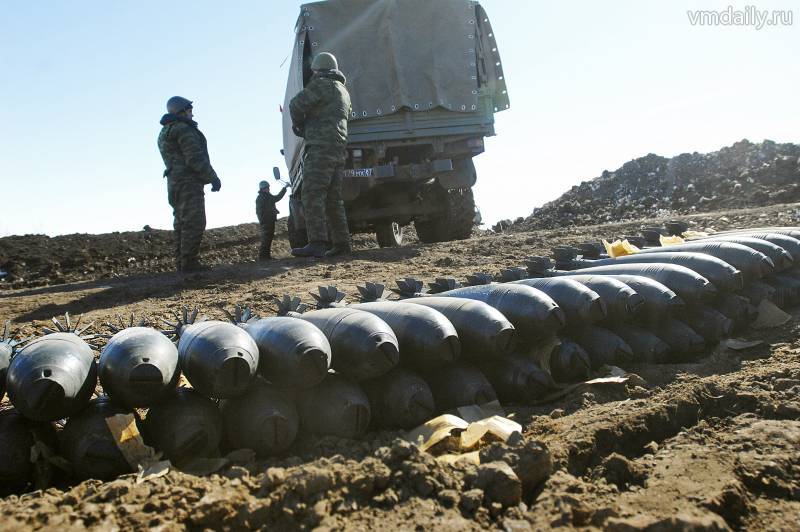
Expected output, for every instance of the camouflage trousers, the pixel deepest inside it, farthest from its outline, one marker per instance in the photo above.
(267, 235)
(323, 206)
(189, 211)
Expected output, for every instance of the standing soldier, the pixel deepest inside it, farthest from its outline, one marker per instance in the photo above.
(319, 115)
(185, 153)
(267, 213)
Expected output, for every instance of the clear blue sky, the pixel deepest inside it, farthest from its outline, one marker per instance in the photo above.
(592, 85)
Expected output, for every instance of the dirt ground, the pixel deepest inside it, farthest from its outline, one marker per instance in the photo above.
(707, 445)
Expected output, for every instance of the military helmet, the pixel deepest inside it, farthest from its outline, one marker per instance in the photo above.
(324, 61)
(263, 185)
(178, 104)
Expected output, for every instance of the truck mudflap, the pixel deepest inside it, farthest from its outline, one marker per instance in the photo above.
(356, 181)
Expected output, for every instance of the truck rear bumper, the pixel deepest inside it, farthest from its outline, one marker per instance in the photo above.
(358, 181)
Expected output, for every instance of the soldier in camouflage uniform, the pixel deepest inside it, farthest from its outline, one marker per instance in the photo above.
(185, 153)
(319, 115)
(267, 212)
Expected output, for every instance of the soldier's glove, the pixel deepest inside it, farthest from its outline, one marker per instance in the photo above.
(216, 184)
(298, 131)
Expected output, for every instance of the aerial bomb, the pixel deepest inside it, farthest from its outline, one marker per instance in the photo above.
(689, 285)
(708, 323)
(570, 362)
(52, 377)
(621, 301)
(7, 349)
(793, 232)
(186, 425)
(722, 275)
(219, 359)
(737, 308)
(581, 305)
(758, 291)
(460, 384)
(292, 353)
(603, 346)
(518, 379)
(425, 337)
(788, 242)
(646, 346)
(753, 264)
(363, 346)
(264, 419)
(18, 435)
(88, 444)
(681, 339)
(400, 399)
(483, 331)
(780, 258)
(534, 314)
(138, 366)
(659, 301)
(335, 407)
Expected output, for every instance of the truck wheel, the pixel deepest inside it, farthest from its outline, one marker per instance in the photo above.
(455, 224)
(389, 234)
(297, 235)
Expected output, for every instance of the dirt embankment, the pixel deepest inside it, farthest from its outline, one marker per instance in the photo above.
(738, 176)
(704, 445)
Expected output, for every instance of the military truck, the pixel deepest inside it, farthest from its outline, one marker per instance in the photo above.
(425, 79)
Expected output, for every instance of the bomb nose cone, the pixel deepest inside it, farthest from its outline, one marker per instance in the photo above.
(635, 303)
(355, 419)
(313, 366)
(234, 375)
(420, 406)
(767, 267)
(484, 395)
(45, 396)
(556, 319)
(504, 340)
(597, 310)
(453, 352)
(390, 351)
(737, 280)
(145, 374)
(276, 433)
(709, 292)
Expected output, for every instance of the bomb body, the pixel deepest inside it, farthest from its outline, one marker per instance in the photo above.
(265, 420)
(363, 346)
(292, 353)
(184, 426)
(622, 302)
(680, 337)
(570, 362)
(534, 314)
(426, 338)
(708, 323)
(603, 346)
(18, 436)
(581, 305)
(88, 444)
(483, 331)
(518, 379)
(646, 346)
(52, 377)
(219, 359)
(337, 406)
(753, 264)
(138, 367)
(400, 399)
(460, 384)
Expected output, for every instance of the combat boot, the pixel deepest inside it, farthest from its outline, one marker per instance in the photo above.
(194, 266)
(339, 249)
(312, 249)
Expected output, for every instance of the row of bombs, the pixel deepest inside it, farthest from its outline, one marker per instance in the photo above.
(255, 382)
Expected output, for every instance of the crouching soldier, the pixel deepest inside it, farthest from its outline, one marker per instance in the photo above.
(267, 212)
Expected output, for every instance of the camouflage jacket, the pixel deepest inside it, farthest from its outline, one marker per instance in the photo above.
(184, 150)
(320, 111)
(265, 205)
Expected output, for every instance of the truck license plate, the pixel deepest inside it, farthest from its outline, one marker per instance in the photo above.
(357, 172)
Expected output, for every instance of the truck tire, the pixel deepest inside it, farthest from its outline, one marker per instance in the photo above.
(297, 235)
(455, 224)
(389, 234)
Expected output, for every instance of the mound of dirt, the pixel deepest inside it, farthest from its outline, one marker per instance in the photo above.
(742, 175)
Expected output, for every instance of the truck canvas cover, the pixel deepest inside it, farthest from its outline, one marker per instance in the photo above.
(414, 54)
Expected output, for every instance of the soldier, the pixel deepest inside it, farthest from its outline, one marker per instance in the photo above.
(267, 212)
(319, 115)
(185, 153)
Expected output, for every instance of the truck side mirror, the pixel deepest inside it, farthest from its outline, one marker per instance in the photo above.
(276, 172)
